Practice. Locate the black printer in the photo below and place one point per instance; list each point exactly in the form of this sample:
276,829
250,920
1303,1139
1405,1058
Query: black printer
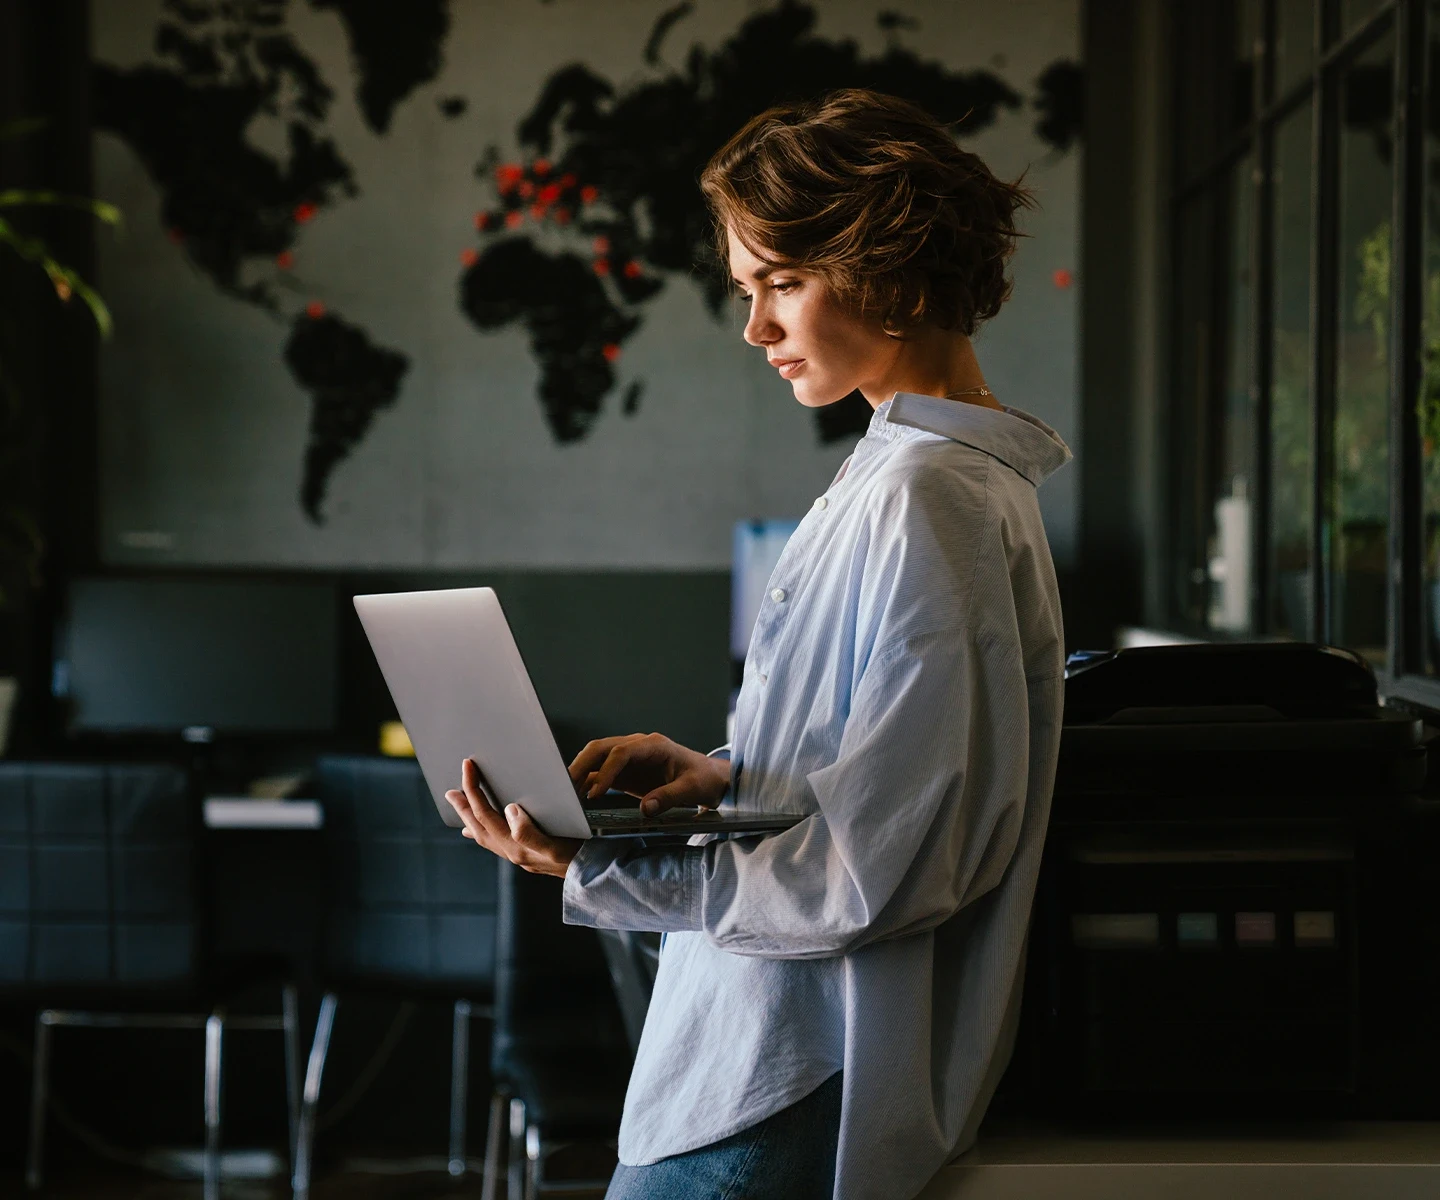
1237,908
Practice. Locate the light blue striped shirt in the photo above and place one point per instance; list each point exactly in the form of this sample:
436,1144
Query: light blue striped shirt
904,687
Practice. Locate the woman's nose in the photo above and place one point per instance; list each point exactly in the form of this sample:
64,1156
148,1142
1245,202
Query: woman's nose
760,328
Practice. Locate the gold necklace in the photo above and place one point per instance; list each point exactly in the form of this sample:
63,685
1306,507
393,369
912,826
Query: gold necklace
982,390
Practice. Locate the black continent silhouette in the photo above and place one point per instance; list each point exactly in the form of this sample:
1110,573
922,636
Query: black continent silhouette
615,168
578,236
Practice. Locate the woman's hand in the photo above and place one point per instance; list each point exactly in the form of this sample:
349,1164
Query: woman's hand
651,766
514,835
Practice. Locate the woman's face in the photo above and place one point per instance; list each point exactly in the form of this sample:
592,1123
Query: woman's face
820,346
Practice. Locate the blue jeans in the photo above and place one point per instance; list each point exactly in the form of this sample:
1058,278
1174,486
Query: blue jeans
788,1156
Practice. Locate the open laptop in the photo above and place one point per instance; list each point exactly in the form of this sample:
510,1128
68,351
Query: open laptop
463,692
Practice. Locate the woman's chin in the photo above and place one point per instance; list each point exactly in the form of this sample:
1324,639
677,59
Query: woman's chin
817,397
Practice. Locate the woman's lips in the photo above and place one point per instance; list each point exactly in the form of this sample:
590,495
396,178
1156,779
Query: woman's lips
787,367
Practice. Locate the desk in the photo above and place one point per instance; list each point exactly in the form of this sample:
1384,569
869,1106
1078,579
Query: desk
265,880
1396,1160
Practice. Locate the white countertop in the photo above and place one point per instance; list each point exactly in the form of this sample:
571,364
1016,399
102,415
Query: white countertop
244,812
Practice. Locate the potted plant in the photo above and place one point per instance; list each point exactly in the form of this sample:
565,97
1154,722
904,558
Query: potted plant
22,543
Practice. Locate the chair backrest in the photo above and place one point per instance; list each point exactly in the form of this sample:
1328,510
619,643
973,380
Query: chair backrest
553,991
97,875
408,898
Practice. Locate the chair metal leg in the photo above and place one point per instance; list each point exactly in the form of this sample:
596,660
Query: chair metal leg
515,1175
492,1146
310,1100
214,1045
39,1100
290,1017
459,1085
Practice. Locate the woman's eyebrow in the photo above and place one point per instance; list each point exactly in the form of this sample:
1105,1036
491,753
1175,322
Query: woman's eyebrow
759,274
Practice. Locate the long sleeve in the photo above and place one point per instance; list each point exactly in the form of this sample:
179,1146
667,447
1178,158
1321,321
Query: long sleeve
908,823
902,689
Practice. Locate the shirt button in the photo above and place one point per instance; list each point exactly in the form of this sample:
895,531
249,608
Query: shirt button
778,595
764,678
822,503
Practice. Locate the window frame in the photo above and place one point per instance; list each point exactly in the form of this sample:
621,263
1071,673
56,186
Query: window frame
1333,51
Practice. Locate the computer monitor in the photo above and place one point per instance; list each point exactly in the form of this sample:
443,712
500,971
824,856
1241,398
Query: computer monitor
199,657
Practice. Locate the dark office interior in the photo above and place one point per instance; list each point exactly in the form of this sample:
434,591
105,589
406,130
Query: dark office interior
308,299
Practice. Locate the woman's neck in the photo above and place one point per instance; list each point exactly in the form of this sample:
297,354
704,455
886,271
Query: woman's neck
931,362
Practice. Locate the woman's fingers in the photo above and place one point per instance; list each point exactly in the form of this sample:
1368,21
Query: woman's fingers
672,795
469,825
609,770
636,766
511,834
479,804
526,833
590,758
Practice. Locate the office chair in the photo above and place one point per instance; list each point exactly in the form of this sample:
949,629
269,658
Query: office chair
100,927
411,912
560,1057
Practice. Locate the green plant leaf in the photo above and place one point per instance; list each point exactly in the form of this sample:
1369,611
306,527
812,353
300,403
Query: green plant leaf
99,310
100,209
67,282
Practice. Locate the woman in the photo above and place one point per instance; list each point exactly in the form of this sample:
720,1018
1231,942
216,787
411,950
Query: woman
835,1002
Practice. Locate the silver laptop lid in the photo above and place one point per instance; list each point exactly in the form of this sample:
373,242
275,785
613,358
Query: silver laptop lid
457,678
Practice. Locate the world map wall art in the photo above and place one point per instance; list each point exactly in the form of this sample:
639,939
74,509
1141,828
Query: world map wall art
431,285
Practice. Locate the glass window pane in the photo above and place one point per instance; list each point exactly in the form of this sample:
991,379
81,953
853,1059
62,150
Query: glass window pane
1359,550
1291,456
1353,12
1245,73
1192,361
1216,40
1294,42
1213,435
1231,486
1428,406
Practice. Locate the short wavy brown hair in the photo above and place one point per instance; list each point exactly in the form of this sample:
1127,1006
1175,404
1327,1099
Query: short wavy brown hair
875,196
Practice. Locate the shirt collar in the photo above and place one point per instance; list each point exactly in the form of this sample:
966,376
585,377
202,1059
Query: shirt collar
1017,439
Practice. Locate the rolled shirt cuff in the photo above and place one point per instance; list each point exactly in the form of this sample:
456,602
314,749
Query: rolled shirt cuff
621,883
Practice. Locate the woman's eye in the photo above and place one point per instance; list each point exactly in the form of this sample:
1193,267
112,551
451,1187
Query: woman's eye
787,285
